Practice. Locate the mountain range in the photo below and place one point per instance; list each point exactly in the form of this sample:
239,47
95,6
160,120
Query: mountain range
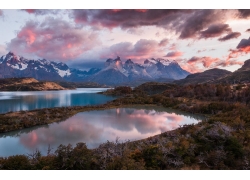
114,73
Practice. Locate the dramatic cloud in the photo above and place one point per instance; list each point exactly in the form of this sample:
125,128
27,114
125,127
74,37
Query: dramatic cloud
174,54
231,35
124,18
206,61
141,50
244,13
244,44
172,47
203,23
42,11
53,39
215,30
242,48
202,19
229,63
209,62
163,42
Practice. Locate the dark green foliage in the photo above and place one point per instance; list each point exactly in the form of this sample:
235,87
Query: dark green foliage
17,162
233,146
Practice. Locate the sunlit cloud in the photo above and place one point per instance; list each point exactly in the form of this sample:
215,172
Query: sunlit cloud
53,39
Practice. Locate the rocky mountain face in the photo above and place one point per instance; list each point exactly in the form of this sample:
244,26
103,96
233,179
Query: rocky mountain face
161,68
115,72
209,76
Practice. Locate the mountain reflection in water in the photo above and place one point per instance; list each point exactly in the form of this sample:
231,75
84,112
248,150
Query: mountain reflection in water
96,127
29,100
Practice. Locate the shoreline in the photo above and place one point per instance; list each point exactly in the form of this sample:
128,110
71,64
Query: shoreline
222,136
18,120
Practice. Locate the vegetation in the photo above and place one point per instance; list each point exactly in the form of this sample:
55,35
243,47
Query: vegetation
27,84
118,91
74,85
220,142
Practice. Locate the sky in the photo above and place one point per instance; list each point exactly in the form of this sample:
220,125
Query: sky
198,39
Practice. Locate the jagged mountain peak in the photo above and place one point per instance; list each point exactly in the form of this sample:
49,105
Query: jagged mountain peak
109,60
118,59
129,61
115,70
10,55
162,61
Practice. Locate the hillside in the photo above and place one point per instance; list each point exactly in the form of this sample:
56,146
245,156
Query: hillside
27,84
73,85
154,87
242,75
208,76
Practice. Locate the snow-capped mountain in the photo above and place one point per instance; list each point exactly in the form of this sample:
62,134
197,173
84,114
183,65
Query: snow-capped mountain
12,65
136,70
115,71
161,68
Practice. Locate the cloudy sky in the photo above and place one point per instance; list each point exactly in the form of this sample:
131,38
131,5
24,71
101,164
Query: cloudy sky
197,39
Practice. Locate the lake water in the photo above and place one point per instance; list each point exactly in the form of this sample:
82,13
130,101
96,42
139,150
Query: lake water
28,100
96,127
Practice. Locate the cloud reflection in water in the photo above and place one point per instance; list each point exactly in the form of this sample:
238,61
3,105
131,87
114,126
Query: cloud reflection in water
96,127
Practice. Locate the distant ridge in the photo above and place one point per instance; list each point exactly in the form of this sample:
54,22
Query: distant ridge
208,76
242,75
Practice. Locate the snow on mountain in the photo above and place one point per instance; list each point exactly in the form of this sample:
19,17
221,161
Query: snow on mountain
115,64
115,71
63,73
136,70
165,62
15,66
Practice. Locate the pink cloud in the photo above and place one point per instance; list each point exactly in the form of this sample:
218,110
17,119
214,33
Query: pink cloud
172,47
41,11
141,50
53,39
229,36
205,61
242,48
209,62
215,30
163,42
174,54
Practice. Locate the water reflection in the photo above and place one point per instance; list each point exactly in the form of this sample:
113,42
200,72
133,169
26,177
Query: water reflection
96,127
17,101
